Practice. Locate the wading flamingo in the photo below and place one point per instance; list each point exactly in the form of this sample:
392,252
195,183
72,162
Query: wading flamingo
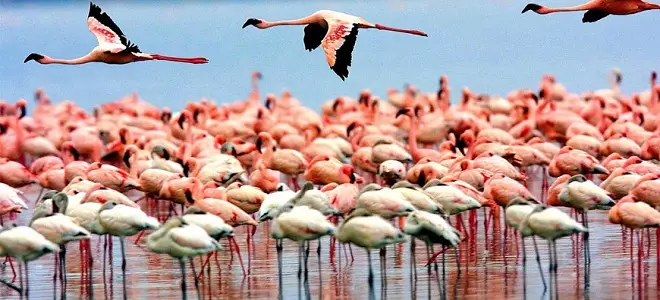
368,231
300,224
182,240
336,32
121,221
550,224
432,229
24,244
59,229
515,213
113,48
597,9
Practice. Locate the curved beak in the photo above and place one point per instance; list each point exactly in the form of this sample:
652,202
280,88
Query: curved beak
33,56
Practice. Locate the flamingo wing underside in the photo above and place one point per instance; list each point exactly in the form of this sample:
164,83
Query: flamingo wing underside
593,15
108,34
338,44
314,34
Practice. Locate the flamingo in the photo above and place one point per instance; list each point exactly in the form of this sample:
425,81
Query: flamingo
334,31
122,221
432,229
550,224
314,199
59,229
273,202
214,226
368,231
24,244
417,197
515,213
597,9
301,224
113,48
182,240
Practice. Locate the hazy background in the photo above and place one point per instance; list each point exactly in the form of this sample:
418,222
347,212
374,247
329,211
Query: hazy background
486,45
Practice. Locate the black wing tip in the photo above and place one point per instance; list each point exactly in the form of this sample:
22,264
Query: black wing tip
33,56
93,9
531,6
592,15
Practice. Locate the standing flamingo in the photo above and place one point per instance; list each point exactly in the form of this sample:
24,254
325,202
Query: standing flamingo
336,32
301,224
368,231
182,240
24,244
113,48
432,229
550,224
122,221
597,9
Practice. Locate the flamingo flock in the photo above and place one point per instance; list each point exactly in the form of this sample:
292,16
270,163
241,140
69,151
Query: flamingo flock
364,172
368,172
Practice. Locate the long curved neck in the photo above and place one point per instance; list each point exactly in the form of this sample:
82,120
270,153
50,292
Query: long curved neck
412,136
303,21
76,61
587,6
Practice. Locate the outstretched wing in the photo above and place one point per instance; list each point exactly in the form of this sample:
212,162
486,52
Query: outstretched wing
314,34
338,44
108,34
593,15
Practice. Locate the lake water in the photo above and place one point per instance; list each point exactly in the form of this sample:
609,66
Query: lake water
491,268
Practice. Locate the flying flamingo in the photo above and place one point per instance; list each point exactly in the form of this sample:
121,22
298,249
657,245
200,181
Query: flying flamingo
113,48
336,32
597,9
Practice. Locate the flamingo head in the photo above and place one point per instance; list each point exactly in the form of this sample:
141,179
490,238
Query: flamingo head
404,111
166,115
254,22
189,196
347,171
34,56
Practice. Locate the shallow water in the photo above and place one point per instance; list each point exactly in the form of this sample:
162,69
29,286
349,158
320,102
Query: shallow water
485,271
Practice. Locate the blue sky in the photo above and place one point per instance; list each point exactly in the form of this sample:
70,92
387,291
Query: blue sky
487,46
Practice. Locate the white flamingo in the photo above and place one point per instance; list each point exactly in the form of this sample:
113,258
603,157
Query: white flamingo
182,240
550,224
314,199
432,229
584,195
300,224
417,197
121,221
368,231
59,229
514,214
113,48
214,226
269,208
24,244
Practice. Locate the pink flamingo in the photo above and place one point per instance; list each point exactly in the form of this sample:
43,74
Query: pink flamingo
113,48
334,31
597,9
